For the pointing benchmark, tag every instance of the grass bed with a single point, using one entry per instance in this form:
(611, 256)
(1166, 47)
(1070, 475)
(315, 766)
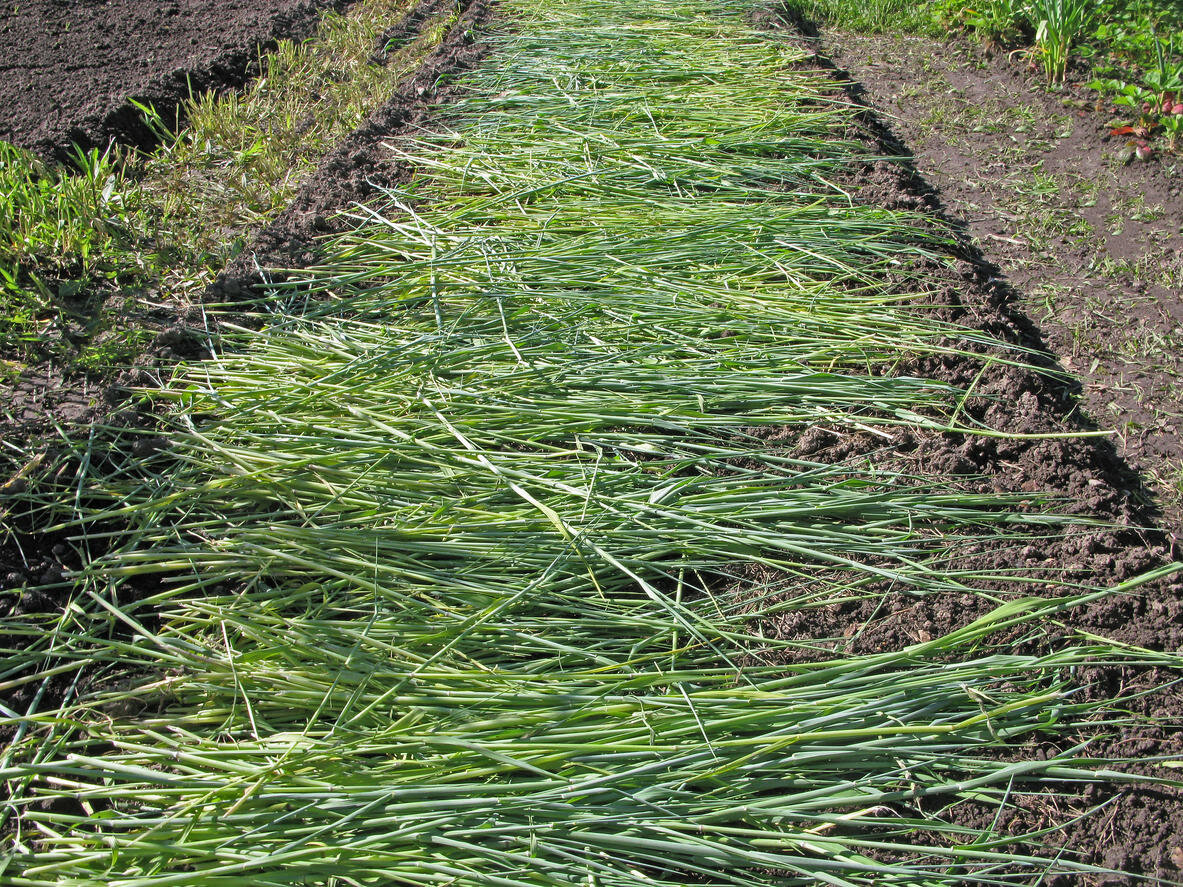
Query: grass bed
(443, 582)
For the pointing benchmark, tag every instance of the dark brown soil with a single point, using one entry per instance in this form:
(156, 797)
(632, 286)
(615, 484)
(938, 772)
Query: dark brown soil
(1087, 240)
(69, 67)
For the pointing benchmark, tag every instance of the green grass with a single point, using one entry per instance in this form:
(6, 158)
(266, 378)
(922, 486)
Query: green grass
(871, 17)
(240, 157)
(59, 232)
(459, 569)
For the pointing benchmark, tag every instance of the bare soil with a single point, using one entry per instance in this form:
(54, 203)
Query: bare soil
(1088, 241)
(69, 68)
(1121, 272)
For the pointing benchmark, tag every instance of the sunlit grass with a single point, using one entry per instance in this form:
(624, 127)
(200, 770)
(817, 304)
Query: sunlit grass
(459, 568)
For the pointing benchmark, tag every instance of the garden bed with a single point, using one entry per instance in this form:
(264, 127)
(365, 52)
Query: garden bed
(1081, 237)
(73, 67)
(132, 308)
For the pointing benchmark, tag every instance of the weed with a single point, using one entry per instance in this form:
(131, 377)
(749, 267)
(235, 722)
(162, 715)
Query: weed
(1048, 297)
(60, 230)
(117, 349)
(1058, 25)
(1166, 475)
(997, 20)
(867, 16)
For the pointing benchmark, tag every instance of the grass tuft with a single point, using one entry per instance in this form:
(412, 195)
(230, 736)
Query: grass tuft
(59, 230)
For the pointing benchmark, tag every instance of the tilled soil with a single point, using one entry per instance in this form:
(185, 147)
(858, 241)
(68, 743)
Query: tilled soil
(68, 68)
(1140, 829)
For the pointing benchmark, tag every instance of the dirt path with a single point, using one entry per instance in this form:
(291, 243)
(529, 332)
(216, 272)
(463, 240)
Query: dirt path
(68, 67)
(1085, 242)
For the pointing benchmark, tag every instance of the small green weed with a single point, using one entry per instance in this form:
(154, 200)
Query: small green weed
(59, 230)
(871, 16)
(998, 21)
(118, 348)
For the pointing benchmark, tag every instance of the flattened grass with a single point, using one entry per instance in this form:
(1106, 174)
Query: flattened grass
(445, 583)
